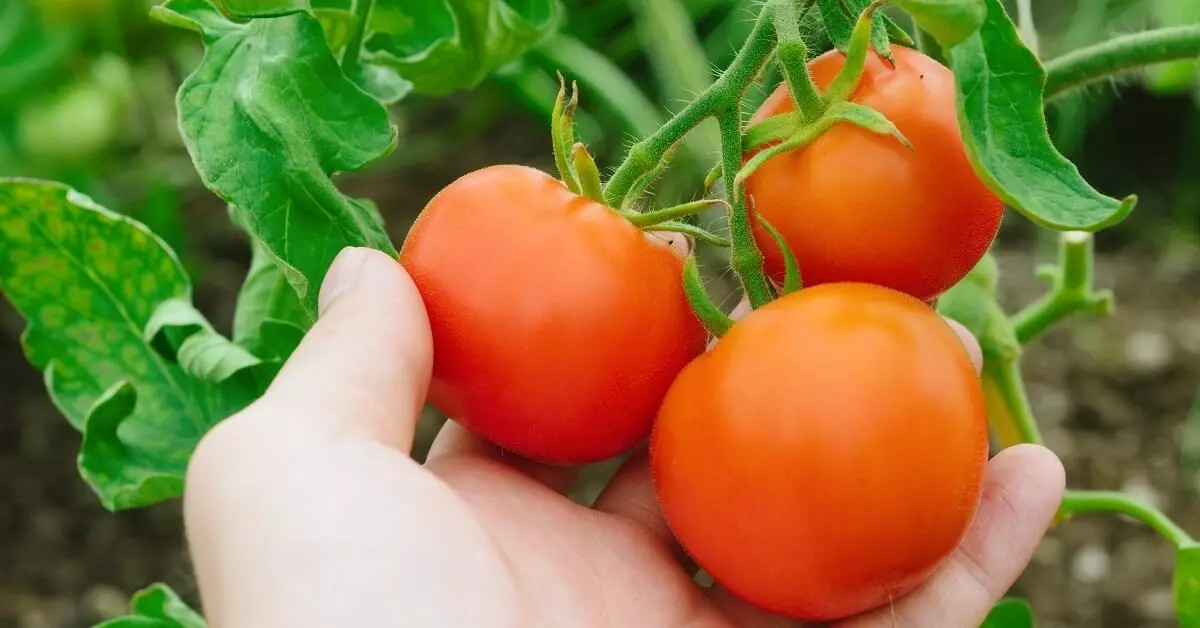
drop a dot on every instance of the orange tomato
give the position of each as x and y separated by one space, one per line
859 206
828 454
557 325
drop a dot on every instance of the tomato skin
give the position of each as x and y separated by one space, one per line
827 455
557 325
859 206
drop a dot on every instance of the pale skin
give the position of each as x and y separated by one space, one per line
306 510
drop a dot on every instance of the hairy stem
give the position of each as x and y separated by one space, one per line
1119 55
725 92
1088 502
745 257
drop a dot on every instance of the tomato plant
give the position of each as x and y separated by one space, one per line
847 424
857 206
562 322
598 307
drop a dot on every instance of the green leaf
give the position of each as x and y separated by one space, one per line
88 282
840 17
1010 613
1187 585
157 606
1003 124
270 320
268 118
443 46
949 21
192 343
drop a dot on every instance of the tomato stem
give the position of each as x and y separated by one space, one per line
649 219
1008 409
1071 292
792 55
843 85
587 172
1119 55
725 92
699 233
745 258
562 133
362 16
1089 502
711 317
643 183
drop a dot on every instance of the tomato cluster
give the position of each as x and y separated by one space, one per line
828 453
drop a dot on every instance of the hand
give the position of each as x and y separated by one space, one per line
306 509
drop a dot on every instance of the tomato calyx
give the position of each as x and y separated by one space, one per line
579 173
795 130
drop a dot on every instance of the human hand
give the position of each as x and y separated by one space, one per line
306 509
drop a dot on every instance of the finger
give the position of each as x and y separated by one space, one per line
454 441
363 369
1022 491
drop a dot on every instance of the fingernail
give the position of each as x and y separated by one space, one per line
342 275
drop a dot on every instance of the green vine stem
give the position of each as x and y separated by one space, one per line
793 58
362 16
745 258
1118 55
725 93
1009 412
649 219
711 317
1088 502
1071 291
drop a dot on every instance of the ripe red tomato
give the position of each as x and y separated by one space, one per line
859 206
557 325
828 454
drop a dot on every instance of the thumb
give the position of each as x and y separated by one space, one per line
363 369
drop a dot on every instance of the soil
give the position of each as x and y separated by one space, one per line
1112 397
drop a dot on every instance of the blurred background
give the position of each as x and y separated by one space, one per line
87 97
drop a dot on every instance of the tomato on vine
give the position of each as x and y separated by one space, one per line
557 324
828 454
860 206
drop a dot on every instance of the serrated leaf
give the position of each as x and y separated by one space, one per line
157 606
88 281
269 321
442 46
193 344
268 118
1187 585
949 21
1010 613
840 16
1001 114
